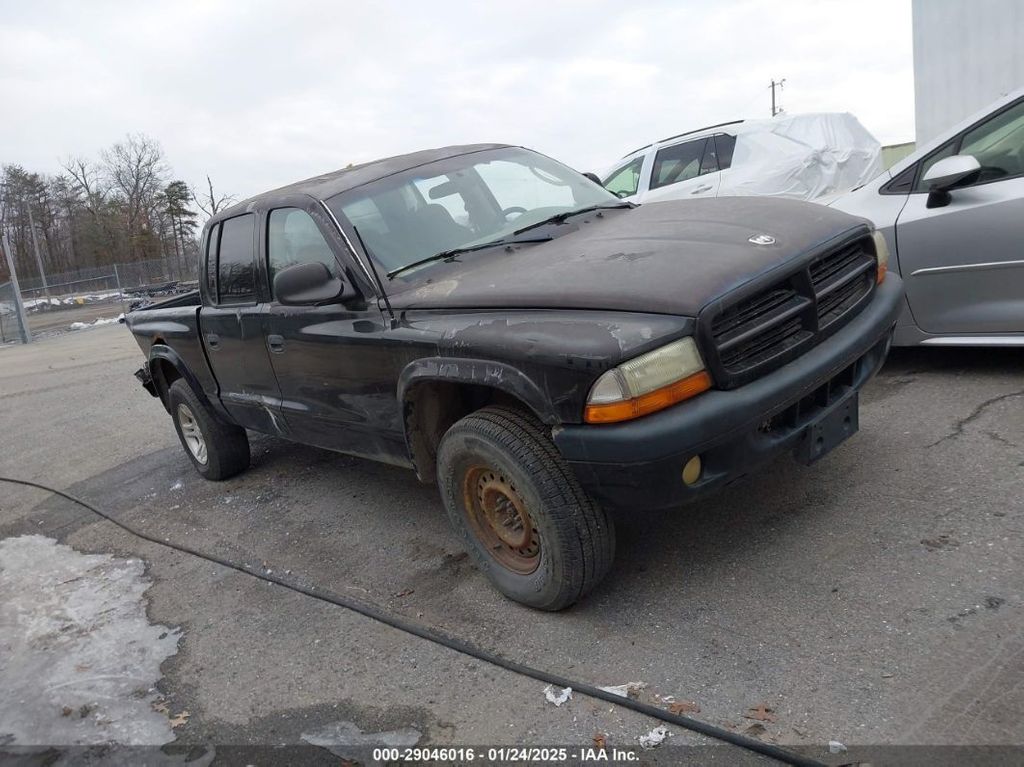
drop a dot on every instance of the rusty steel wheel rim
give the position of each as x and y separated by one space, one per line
500 520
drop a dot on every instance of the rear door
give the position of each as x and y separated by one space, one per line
684 171
962 263
232 328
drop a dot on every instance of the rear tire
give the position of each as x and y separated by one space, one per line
526 521
217 450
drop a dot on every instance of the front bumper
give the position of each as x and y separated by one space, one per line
638 464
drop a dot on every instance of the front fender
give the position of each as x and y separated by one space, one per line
497 375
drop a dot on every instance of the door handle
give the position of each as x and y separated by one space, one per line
276 343
700 189
213 340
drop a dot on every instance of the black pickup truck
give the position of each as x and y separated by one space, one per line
538 348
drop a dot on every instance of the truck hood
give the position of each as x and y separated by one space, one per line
670 257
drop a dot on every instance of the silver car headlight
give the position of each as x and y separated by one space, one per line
648 383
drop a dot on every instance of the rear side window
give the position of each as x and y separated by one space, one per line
294 238
677 163
211 261
236 261
710 162
724 145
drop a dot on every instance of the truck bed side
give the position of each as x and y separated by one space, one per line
169 335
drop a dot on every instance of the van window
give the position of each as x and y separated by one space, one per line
677 163
724 146
624 181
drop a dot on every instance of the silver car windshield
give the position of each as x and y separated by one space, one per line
460 202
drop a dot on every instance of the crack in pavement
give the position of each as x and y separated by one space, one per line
961 424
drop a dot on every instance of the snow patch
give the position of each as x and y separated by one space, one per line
81 659
97 323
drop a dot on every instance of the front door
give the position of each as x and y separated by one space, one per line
334 368
963 263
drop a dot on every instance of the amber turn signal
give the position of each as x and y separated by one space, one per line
659 399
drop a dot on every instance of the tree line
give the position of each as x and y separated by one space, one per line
124 206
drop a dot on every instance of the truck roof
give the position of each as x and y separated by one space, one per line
330 184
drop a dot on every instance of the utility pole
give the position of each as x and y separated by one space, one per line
35 247
779 84
19 307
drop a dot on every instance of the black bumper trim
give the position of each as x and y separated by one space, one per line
637 464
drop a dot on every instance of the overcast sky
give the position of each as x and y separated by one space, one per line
258 94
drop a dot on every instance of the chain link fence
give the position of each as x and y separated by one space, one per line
70 300
133 276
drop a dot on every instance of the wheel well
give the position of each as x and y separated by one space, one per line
431 407
164 374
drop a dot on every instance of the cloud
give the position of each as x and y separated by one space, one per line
258 94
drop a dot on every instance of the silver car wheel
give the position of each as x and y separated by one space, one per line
192 434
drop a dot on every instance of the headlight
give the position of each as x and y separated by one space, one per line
648 383
882 251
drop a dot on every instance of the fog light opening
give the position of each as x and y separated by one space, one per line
692 470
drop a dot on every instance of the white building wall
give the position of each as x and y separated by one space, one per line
967 53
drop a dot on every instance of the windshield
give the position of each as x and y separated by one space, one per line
460 202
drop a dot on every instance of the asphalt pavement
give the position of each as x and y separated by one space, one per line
874 598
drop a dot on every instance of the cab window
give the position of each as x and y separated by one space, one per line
294 238
212 242
236 260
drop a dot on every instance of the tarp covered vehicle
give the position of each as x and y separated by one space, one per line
803 157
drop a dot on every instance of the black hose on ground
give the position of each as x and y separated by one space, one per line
454 643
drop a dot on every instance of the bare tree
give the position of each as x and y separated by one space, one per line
209 202
86 180
137 172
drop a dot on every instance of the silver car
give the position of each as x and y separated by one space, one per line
952 215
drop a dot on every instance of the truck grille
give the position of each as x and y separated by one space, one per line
764 330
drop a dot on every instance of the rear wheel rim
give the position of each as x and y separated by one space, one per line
500 519
191 434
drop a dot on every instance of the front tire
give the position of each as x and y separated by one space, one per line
217 450
526 521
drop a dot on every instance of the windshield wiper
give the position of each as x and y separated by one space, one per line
559 218
449 255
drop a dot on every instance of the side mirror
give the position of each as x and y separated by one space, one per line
593 177
949 173
309 284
